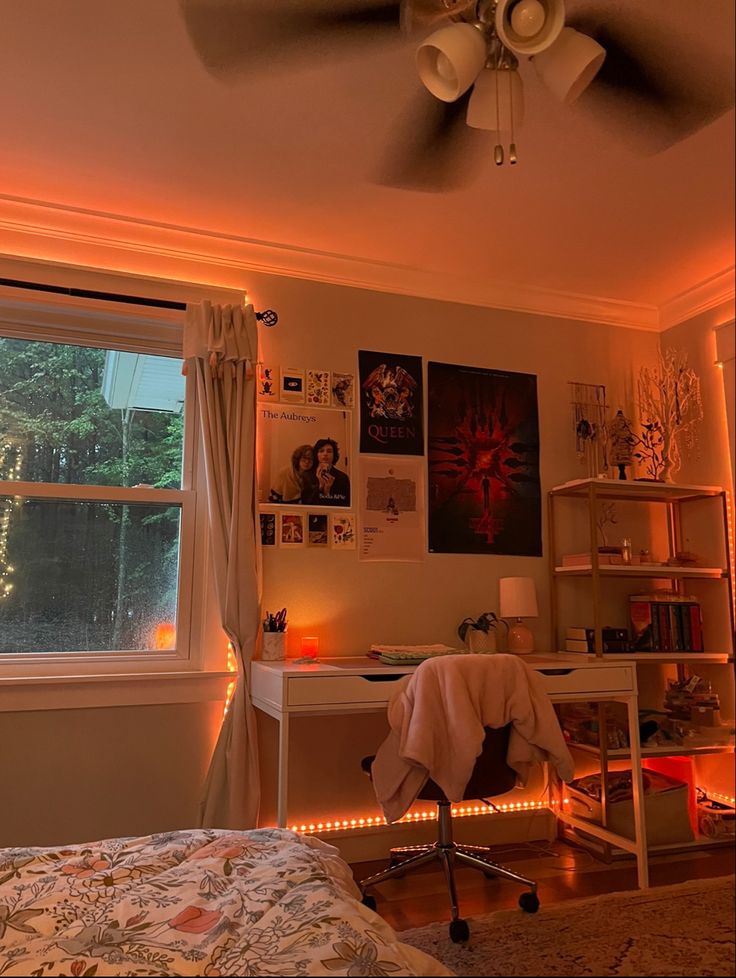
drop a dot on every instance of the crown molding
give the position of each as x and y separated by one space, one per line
56 232
714 291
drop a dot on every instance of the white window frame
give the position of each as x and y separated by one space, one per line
106 325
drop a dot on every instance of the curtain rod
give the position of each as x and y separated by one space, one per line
268 317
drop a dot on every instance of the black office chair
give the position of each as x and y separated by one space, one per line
491 777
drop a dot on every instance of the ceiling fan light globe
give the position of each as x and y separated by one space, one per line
450 60
497 102
570 65
527 17
528 27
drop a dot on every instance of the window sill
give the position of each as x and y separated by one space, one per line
21 694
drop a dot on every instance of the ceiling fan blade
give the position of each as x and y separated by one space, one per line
433 150
659 84
236 37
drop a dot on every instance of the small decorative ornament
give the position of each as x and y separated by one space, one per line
622 441
669 410
589 411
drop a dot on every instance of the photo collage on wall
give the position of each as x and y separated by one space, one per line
481 471
304 458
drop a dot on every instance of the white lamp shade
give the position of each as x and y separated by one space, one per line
497 101
570 65
524 28
450 60
517 597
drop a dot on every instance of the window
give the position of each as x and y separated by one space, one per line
96 505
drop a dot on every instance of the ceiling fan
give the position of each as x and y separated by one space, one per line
662 79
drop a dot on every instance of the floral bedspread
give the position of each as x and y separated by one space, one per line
200 902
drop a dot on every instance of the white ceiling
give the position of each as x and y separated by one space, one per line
106 106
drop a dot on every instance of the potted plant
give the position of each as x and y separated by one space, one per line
479 634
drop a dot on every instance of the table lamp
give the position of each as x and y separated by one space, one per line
518 599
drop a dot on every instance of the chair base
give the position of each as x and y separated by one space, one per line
407 858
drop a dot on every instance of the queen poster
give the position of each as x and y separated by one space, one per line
484 490
391 404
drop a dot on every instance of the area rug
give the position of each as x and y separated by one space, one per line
684 929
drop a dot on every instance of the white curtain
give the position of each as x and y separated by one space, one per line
221 349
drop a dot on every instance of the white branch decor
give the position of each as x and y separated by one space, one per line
669 407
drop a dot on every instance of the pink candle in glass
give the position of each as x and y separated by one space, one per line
310 645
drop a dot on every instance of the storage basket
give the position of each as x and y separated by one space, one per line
665 805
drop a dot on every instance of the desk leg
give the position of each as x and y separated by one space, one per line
283 789
640 827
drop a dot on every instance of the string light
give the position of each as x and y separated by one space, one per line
731 555
355 823
232 666
11 458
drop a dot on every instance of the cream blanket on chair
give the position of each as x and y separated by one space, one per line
437 718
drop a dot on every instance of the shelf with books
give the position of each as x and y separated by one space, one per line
695 516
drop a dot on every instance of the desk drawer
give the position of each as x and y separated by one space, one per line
613 679
324 690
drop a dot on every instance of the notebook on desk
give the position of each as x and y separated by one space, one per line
410 654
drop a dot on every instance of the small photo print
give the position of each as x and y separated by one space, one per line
342 532
317 530
268 529
292 385
318 387
343 386
268 383
292 530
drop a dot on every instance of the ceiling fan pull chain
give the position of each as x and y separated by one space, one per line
498 150
512 144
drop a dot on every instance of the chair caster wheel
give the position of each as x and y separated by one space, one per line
529 902
368 901
459 931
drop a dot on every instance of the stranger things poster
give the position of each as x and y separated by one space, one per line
391 404
484 489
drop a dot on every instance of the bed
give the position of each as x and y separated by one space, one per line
199 902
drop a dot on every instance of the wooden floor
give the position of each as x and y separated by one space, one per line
563 872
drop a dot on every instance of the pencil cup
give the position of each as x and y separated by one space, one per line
274 645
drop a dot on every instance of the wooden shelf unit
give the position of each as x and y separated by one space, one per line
591 492
673 497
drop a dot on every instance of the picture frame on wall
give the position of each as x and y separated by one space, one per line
343 534
268 382
318 529
291 530
318 387
292 385
304 456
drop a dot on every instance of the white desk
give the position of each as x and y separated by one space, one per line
363 685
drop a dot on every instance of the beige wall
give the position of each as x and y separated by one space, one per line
84 774
710 464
